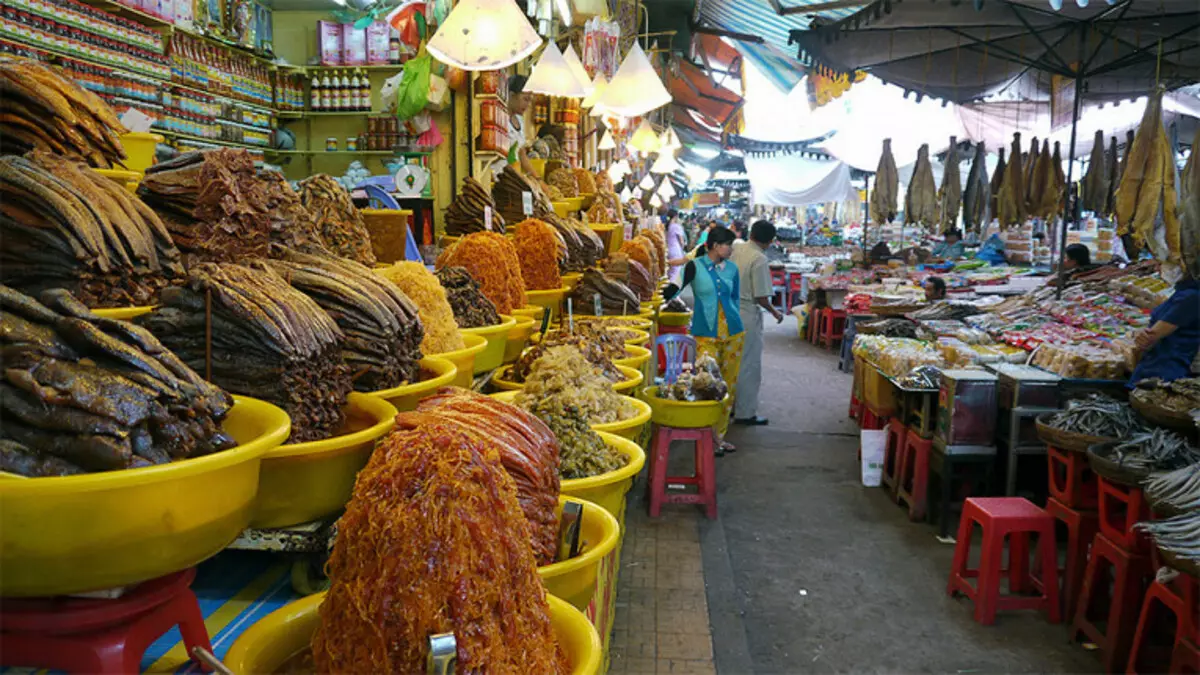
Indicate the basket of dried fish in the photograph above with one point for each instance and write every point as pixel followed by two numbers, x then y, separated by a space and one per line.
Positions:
pixel 1170 493
pixel 1123 467
pixel 1168 404
pixel 1177 539
pixel 1087 422
pixel 1133 460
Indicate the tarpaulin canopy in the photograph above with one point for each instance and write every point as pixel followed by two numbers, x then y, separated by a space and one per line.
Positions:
pixel 693 89
pixel 790 180
pixel 959 52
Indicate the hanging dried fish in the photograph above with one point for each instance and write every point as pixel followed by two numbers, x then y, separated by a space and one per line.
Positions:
pixel 996 182
pixel 1030 166
pixel 887 187
pixel 1189 210
pixel 1114 178
pixel 950 194
pixel 1146 200
pixel 977 197
pixel 1095 181
pixel 920 204
pixel 1010 203
pixel 1043 199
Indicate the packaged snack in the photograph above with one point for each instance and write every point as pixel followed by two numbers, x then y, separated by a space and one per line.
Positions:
pixel 329 38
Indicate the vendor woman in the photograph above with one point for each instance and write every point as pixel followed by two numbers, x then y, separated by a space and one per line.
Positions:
pixel 1168 345
pixel 716 320
pixel 518 103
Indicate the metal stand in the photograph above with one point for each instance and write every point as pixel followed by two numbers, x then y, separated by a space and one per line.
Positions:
pixel 308 544
pixel 1011 438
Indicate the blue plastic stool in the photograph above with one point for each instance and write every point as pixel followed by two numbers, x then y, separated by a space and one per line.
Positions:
pixel 675 348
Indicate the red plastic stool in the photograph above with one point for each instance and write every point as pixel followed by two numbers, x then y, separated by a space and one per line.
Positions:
pixel 856 407
pixel 705 477
pixel 893 452
pixel 1186 658
pixel 912 485
pixel 1082 527
pixel 833 326
pixel 1071 479
pixel 1112 586
pixel 1000 517
pixel 1178 598
pixel 870 421
pixel 100 636
pixel 1121 507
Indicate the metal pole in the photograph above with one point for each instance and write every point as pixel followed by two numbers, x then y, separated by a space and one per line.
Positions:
pixel 866 220
pixel 1068 201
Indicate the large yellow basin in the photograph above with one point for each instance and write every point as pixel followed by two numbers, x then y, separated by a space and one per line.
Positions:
pixel 675 319
pixel 632 378
pixel 684 414
pixel 532 311
pixel 89 532
pixel 571 280
pixel 406 396
pixel 139 150
pixel 574 579
pixel 639 340
pixel 123 313
pixel 126 179
pixel 302 482
pixel 518 336
pixel 497 338
pixel 464 359
pixel 628 428
pixel 550 300
pixel 278 636
pixel 637 357
pixel 608 490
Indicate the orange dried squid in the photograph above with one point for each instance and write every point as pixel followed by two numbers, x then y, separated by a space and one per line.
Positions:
pixel 433 541
pixel 537 245
pixel 491 260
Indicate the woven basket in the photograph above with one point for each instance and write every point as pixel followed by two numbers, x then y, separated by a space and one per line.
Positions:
pixel 1170 419
pixel 1066 440
pixel 1100 459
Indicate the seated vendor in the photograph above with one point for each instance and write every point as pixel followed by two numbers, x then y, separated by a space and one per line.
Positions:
pixel 879 253
pixel 1078 257
pixel 935 289
pixel 952 248
pixel 1169 344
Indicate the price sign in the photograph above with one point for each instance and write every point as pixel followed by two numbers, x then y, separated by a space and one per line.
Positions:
pixel 487 218
pixel 527 203
pixel 596 304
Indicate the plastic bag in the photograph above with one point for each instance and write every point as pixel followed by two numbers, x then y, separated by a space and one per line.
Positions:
pixel 873 445
pixel 413 92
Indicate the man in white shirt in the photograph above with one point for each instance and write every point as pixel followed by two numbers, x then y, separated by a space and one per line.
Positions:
pixel 755 284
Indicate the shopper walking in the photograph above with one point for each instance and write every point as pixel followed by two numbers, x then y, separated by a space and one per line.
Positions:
pixel 716 319
pixel 754 279
pixel 676 243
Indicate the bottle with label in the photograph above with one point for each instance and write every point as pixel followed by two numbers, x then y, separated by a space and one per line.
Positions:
pixel 315 102
pixel 344 93
pixel 394 47
pixel 326 93
pixel 355 86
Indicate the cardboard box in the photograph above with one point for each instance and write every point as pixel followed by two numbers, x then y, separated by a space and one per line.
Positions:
pixel 329 41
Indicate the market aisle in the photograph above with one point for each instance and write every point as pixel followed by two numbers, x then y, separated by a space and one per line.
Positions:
pixel 807 571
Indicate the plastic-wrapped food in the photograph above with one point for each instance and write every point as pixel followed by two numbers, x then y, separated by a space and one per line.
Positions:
pixel 895 356
pixel 433 540
pixel 701 382
pixel 419 284
pixel 537 245
pixel 896 328
pixel 491 260
pixel 1080 361
pixel 922 377
pixel 582 452
pixel 563 377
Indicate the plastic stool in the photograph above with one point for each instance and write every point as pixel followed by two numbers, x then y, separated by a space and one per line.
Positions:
pixel 855 408
pixel 1121 507
pixel 1071 479
pixel 705 477
pixel 833 325
pixel 1186 658
pixel 1082 527
pixel 893 452
pixel 913 483
pixel 870 421
pixel 1177 597
pixel 100 636
pixel 1000 517
pixel 1116 607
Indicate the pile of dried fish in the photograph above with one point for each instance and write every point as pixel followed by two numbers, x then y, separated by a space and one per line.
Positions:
pixel 1179 536
pixel 382 326
pixel 950 194
pixel 336 218
pixel 593 246
pixel 41 110
pixel 597 346
pixel 946 310
pixel 564 179
pixel 81 393
pixel 675 304
pixel 1098 415
pixel 615 297
pixel 633 274
pixel 509 195
pixel 66 226
pixel 896 328
pixel 1180 396
pixel 977 197
pixel 886 188
pixel 580 248
pixel 1095 181
pixel 1010 199
pixel 268 341
pixel 1178 489
pixel 466 212
pixel 1156 450
pixel 292 226
pixel 1145 200
pixel 920 204
pixel 471 307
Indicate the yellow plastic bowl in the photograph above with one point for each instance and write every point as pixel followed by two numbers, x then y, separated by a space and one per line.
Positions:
pixel 126 179
pixel 574 203
pixel 539 167
pixel 73 534
pixel 561 209
pixel 123 313
pixel 518 336
pixel 574 579
pixel 532 311
pixel 139 150
pixel 606 232
pixel 608 490
pixel 684 414
pixel 571 280
pixel 674 318
pixel 549 300
pixel 278 636
pixel 639 323
pixel 302 482
pixel 497 339
pixel 638 340
pixel 637 357
pixel 405 397
pixel 632 378
pixel 628 428
pixel 464 359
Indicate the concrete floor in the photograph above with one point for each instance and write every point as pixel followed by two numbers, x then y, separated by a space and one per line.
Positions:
pixel 806 571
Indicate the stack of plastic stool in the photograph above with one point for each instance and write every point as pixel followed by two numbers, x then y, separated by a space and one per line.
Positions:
pixel 913 484
pixel 1181 598
pixel 1082 526
pixel 893 449
pixel 833 324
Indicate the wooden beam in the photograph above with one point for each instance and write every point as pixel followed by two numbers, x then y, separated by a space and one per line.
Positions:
pixel 821 7
pixel 743 37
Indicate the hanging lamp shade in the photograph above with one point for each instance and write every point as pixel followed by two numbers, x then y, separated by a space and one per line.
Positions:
pixel 552 76
pixel 670 140
pixel 656 201
pixel 623 167
pixel 636 89
pixel 644 139
pixel 484 35
pixel 607 142
pixel 576 68
pixel 598 86
pixel 666 190
pixel 647 182
pixel 615 174
pixel 626 195
pixel 665 163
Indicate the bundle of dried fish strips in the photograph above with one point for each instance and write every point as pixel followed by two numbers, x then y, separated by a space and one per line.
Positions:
pixel 615 297
pixel 633 274
pixel 950 194
pixel 268 340
pixel 1145 203
pixel 886 187
pixel 42 110
pixel 80 393
pixel 66 226
pixel 920 204
pixel 382 326
pixel 337 219
pixel 977 197
pixel 467 212
pixel 471 307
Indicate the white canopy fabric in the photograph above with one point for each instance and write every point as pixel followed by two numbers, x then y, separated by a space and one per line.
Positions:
pixel 792 180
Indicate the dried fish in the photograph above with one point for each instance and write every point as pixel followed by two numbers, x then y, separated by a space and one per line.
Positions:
pixel 886 188
pixel 1098 415
pixel 1178 489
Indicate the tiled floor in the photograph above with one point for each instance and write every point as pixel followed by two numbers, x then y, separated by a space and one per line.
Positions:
pixel 662 613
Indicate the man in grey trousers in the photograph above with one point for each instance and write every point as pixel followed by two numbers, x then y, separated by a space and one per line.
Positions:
pixel 755 283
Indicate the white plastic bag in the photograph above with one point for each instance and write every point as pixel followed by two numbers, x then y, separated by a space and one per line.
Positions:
pixel 873 445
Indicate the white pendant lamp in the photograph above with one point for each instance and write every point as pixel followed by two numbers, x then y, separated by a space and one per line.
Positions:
pixel 484 35
pixel 589 101
pixel 655 201
pixel 606 142
pixel 666 190
pixel 665 163
pixel 576 67
pixel 615 174
pixel 669 140
pixel 636 89
pixel 623 167
pixel 552 76
pixel 626 195
pixel 647 182
pixel 644 139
